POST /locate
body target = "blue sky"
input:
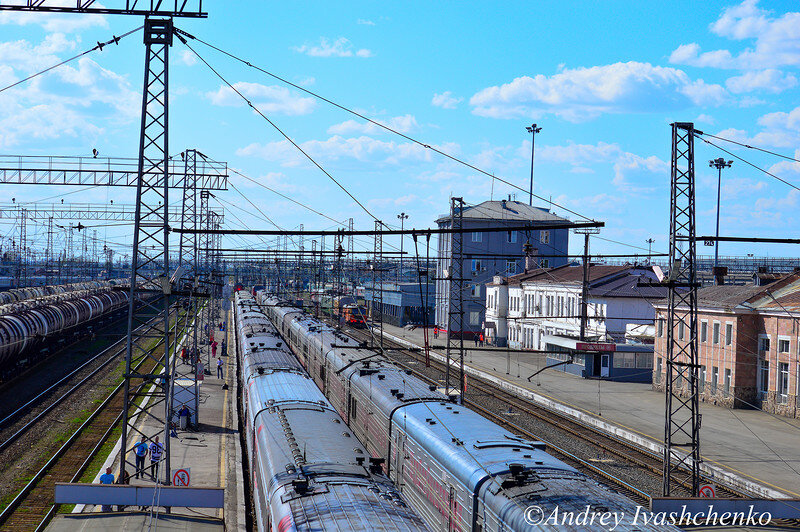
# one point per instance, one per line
(603, 80)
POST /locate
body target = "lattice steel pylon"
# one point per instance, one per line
(682, 423)
(184, 375)
(48, 261)
(455, 313)
(146, 410)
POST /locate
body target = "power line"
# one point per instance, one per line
(748, 146)
(279, 130)
(370, 120)
(99, 46)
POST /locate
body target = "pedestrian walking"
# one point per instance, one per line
(140, 450)
(481, 339)
(219, 368)
(224, 352)
(156, 450)
(183, 355)
(200, 371)
(214, 349)
(435, 333)
(476, 340)
(220, 326)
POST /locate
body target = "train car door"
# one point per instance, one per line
(452, 511)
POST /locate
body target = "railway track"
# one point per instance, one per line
(617, 454)
(33, 506)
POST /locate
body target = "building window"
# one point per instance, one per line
(476, 290)
(714, 379)
(476, 265)
(728, 333)
(660, 328)
(680, 330)
(716, 333)
(511, 266)
(544, 237)
(474, 318)
(727, 383)
(763, 377)
(703, 331)
(783, 346)
(702, 383)
(763, 344)
(545, 263)
(658, 370)
(477, 237)
(511, 237)
(783, 381)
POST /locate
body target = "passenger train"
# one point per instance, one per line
(27, 324)
(460, 471)
(307, 469)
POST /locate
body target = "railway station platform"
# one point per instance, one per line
(757, 450)
(210, 453)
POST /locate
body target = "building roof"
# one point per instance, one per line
(628, 286)
(505, 210)
(566, 274)
(780, 295)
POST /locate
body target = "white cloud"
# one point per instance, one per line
(627, 166)
(54, 22)
(777, 40)
(769, 80)
(779, 130)
(188, 58)
(361, 149)
(365, 22)
(705, 119)
(446, 100)
(267, 98)
(340, 47)
(403, 124)
(584, 93)
(734, 187)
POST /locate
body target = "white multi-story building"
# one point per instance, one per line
(522, 309)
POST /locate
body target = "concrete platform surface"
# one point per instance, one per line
(96, 522)
(211, 451)
(751, 444)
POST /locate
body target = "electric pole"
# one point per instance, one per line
(533, 130)
(719, 164)
(402, 216)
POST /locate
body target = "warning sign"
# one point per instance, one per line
(182, 477)
(707, 491)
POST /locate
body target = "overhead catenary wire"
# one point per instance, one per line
(99, 46)
(747, 146)
(278, 129)
(376, 123)
(745, 161)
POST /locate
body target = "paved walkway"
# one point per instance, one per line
(211, 451)
(753, 444)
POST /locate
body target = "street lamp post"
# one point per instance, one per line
(533, 130)
(650, 249)
(719, 164)
(402, 216)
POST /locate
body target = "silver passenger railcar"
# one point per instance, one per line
(459, 470)
(308, 470)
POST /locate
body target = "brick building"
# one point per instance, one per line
(748, 340)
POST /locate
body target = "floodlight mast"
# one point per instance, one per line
(147, 411)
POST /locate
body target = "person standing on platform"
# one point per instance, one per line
(140, 450)
(214, 349)
(219, 368)
(108, 478)
(224, 351)
(156, 450)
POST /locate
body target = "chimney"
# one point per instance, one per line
(719, 274)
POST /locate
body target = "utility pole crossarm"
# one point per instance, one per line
(107, 171)
(181, 8)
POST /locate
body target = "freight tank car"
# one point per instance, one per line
(459, 470)
(308, 470)
(28, 325)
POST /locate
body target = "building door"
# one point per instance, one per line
(595, 365)
(605, 365)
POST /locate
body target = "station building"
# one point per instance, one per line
(540, 309)
(748, 345)
(401, 303)
(497, 253)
